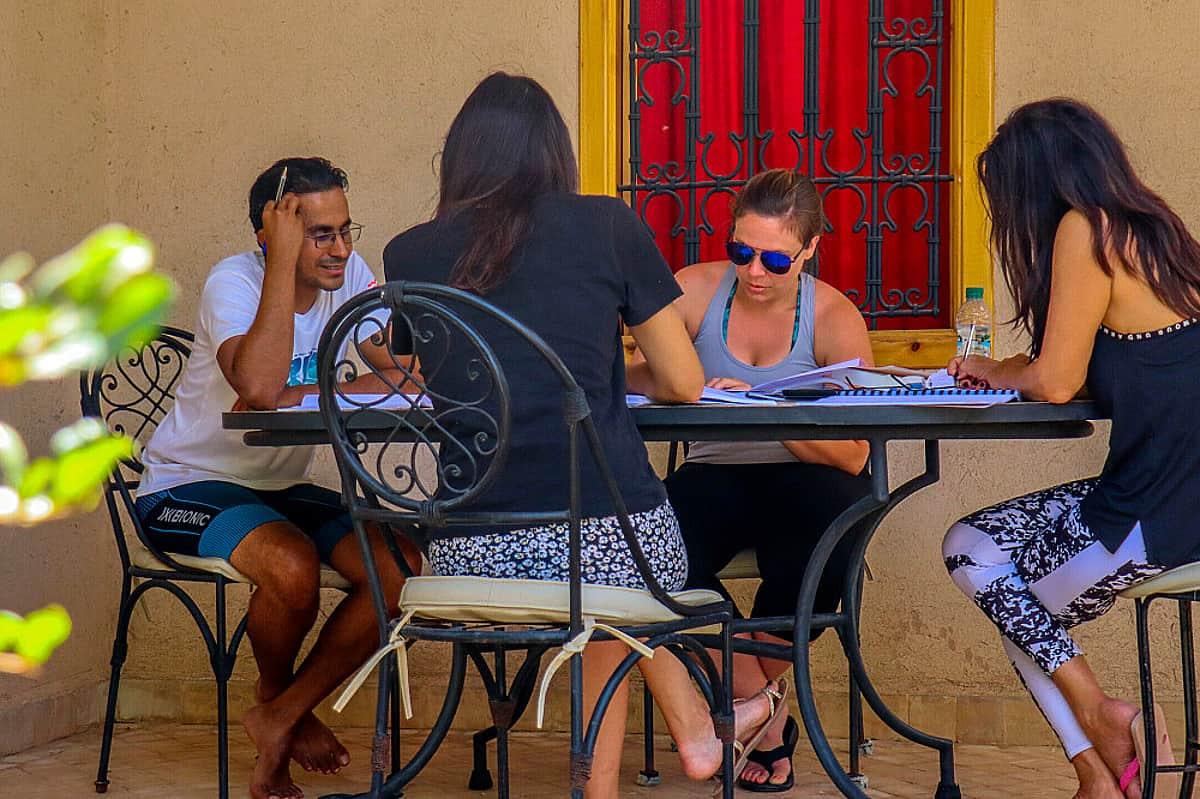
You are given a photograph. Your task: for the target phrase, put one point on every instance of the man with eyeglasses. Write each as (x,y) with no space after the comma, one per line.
(204,492)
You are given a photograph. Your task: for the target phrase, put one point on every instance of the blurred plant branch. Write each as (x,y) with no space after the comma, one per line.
(73,312)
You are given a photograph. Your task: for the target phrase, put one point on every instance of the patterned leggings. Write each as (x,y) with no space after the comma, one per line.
(1033,567)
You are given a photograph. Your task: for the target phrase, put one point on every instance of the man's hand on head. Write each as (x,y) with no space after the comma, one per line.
(283,231)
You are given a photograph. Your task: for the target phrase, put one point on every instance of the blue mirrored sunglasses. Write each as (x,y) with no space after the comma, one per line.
(777,263)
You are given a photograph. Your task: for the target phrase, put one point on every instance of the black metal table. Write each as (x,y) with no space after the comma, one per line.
(877,424)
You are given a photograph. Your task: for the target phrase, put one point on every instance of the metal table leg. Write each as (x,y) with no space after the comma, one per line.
(880,501)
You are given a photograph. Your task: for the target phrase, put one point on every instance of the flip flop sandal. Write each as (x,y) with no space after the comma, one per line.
(742,749)
(766,758)
(1164,784)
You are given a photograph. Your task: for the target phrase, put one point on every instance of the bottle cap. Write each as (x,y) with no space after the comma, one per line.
(974,293)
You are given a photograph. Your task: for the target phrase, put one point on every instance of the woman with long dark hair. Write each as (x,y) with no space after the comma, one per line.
(511,228)
(1106,280)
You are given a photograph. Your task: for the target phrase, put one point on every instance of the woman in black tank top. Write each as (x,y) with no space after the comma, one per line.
(1105,279)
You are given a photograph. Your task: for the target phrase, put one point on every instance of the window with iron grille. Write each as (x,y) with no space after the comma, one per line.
(850,92)
(883,102)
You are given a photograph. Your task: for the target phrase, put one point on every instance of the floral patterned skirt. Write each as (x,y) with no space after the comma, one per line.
(541,553)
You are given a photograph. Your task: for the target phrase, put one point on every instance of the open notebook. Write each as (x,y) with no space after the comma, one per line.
(963,397)
(852,374)
(968,397)
(857,384)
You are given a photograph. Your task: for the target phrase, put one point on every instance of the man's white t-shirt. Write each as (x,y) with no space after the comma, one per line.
(190,445)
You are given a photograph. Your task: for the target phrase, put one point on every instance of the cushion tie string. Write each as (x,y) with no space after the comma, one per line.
(576,646)
(396,643)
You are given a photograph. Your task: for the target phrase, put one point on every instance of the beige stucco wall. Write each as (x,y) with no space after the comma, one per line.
(122,111)
(52,162)
(160,115)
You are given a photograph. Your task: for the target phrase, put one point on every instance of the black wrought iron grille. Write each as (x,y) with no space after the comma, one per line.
(896,268)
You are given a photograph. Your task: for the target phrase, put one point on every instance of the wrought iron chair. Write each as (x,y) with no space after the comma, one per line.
(132,394)
(744,566)
(1182,586)
(423,459)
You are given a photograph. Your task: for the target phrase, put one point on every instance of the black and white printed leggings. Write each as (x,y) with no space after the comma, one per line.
(1033,567)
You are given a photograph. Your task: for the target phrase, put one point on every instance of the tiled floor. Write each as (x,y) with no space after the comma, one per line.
(172,761)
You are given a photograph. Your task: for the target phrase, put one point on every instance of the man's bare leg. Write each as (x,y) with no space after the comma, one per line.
(345,641)
(284,564)
(314,745)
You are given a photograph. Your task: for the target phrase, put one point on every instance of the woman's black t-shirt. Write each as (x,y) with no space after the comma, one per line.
(587,263)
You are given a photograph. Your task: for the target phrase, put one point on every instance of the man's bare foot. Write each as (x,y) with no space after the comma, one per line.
(316,748)
(271,778)
(781,768)
(1095,780)
(1108,730)
(701,756)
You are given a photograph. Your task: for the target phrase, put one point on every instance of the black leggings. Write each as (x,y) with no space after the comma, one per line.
(778,509)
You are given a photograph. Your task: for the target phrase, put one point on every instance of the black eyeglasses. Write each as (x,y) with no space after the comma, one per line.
(325,240)
(777,263)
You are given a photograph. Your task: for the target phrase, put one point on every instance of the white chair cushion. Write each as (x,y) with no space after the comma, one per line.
(1179,580)
(488,600)
(144,559)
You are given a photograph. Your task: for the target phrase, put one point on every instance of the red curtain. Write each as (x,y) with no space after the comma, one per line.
(844,71)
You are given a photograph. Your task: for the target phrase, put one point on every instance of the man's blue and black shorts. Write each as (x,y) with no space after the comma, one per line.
(210,518)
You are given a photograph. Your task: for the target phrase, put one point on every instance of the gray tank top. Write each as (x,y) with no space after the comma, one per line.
(718,361)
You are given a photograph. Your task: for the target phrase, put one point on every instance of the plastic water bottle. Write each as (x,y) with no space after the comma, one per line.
(974,325)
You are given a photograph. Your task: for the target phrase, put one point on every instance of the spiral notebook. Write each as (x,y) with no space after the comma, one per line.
(969,397)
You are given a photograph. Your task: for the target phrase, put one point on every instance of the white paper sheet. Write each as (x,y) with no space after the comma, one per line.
(311,402)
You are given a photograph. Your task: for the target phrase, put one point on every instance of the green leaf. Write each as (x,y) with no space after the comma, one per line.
(18,324)
(10,630)
(81,472)
(96,266)
(13,455)
(14,268)
(132,312)
(36,479)
(12,370)
(43,631)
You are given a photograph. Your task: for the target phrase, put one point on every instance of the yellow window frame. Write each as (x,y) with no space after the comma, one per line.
(602,50)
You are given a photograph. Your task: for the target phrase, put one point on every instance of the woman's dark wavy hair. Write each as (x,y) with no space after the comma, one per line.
(507,147)
(1055,155)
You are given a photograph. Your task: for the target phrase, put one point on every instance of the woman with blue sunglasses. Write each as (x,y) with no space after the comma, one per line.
(757,317)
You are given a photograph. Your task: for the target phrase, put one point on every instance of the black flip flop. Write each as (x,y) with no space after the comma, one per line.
(764,758)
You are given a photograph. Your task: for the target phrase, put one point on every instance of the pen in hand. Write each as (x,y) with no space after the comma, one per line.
(970,341)
(960,381)
(278,196)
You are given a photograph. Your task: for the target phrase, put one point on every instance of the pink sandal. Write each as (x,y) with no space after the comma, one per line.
(1131,772)
(1164,784)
